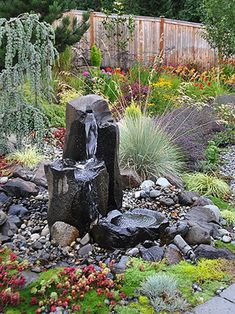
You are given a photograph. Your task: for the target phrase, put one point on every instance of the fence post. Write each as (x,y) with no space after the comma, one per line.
(162,40)
(92,29)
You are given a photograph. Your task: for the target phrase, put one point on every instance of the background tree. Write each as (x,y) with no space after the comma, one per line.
(219,17)
(25,79)
(66,34)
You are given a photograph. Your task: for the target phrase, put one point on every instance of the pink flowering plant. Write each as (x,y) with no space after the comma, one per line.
(11,278)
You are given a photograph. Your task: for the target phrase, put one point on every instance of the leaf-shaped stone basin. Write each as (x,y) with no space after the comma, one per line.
(131,220)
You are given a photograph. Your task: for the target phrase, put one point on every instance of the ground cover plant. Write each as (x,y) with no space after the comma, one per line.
(141,278)
(206,184)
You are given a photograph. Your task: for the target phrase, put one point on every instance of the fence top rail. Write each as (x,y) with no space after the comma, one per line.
(145,18)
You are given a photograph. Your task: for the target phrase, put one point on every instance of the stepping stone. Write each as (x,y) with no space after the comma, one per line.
(229,293)
(216,305)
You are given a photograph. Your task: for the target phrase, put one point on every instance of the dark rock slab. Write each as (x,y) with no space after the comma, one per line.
(85,250)
(15,220)
(39,177)
(4,239)
(8,229)
(120,267)
(152,254)
(23,173)
(77,195)
(169,233)
(210,252)
(201,220)
(5,200)
(20,188)
(202,201)
(197,234)
(187,198)
(107,142)
(17,210)
(129,229)
(167,201)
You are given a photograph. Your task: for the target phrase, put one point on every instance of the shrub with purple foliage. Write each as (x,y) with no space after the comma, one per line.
(191,128)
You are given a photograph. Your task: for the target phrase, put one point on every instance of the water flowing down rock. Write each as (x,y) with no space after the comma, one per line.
(78,193)
(75,147)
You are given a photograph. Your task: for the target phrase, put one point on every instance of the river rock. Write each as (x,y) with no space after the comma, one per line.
(154,193)
(63,234)
(167,201)
(20,188)
(147,185)
(17,210)
(163,182)
(173,255)
(3,217)
(45,231)
(77,196)
(85,250)
(226,239)
(129,229)
(152,254)
(107,142)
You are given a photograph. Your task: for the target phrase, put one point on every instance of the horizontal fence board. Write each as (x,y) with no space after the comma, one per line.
(181,41)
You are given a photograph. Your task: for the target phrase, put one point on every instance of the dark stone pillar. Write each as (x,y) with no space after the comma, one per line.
(107,143)
(77,196)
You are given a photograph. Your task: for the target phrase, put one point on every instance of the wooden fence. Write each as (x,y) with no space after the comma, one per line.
(177,42)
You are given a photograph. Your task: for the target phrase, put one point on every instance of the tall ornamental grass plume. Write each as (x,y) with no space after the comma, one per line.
(206,184)
(146,149)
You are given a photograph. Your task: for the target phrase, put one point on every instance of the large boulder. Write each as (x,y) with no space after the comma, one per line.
(210,252)
(63,234)
(107,142)
(203,223)
(128,229)
(77,196)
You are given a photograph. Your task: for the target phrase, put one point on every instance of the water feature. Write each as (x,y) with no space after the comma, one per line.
(85,185)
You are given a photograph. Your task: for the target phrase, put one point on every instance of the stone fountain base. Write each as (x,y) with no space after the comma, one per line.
(129,229)
(78,193)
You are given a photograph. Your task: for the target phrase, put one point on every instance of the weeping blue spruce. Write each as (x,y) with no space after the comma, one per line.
(85,184)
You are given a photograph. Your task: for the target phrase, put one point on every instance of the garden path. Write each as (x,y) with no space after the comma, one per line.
(228,165)
(222,304)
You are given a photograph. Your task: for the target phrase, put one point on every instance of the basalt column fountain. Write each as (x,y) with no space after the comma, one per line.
(86,182)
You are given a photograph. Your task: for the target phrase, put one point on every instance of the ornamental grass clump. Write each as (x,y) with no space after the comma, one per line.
(146,149)
(162,291)
(29,157)
(206,184)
